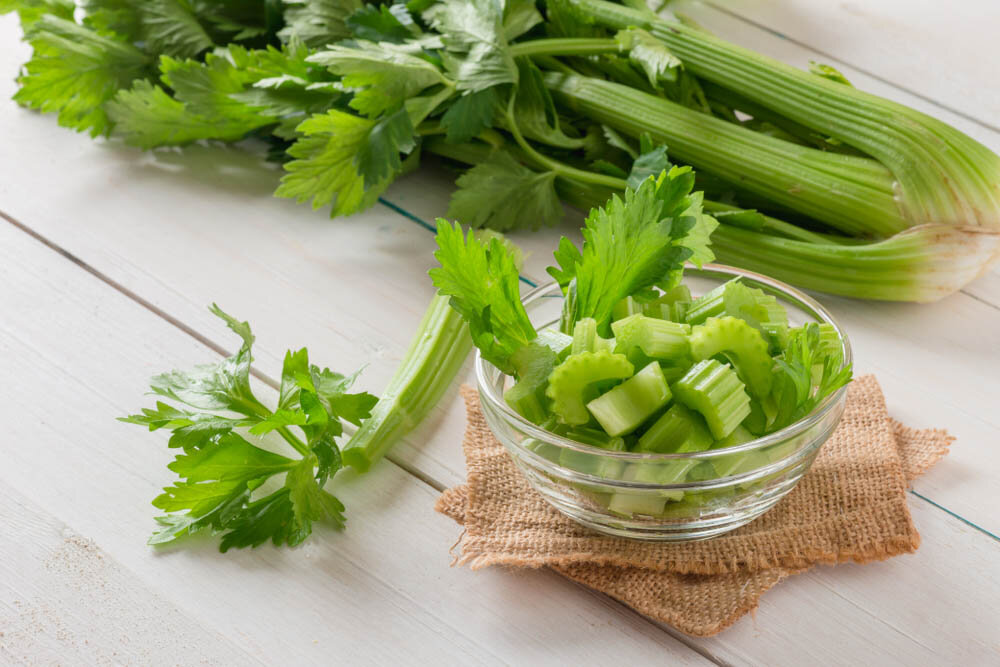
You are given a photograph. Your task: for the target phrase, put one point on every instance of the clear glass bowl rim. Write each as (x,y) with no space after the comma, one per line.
(488,390)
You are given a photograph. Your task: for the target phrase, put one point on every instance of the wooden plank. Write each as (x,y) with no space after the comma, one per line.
(64,600)
(383,590)
(940,55)
(187,228)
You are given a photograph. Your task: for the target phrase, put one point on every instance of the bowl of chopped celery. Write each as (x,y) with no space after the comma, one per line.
(694,413)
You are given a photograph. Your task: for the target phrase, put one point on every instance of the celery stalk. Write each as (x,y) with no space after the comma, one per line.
(439,348)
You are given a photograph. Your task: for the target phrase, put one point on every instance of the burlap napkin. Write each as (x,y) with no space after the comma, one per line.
(850,506)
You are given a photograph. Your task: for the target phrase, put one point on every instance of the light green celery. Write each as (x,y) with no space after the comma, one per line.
(742,344)
(657,339)
(921,264)
(627,306)
(679,429)
(555,340)
(715,391)
(438,350)
(571,384)
(592,463)
(624,408)
(709,304)
(584,335)
(853,194)
(943,176)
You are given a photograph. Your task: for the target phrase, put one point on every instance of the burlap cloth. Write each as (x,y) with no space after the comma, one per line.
(851,505)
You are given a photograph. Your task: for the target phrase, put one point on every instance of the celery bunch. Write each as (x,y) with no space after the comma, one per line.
(812,180)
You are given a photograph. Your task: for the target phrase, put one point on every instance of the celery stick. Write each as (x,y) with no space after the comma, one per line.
(622,409)
(438,350)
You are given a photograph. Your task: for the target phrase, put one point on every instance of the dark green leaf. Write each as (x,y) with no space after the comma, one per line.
(503,194)
(469,115)
(378,157)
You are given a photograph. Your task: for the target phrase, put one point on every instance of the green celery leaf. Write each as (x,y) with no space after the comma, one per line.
(29,11)
(221,386)
(382,23)
(482,281)
(328,459)
(318,22)
(280,419)
(268,518)
(378,158)
(650,54)
(309,501)
(534,111)
(828,72)
(230,459)
(469,115)
(294,372)
(171,27)
(794,394)
(519,16)
(473,32)
(384,75)
(189,430)
(146,116)
(200,498)
(325,167)
(651,161)
(629,245)
(503,194)
(331,389)
(75,71)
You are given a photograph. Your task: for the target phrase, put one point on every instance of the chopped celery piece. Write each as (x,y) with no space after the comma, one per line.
(679,429)
(709,304)
(585,338)
(534,364)
(671,472)
(544,449)
(623,408)
(593,463)
(555,340)
(627,504)
(714,390)
(742,344)
(625,307)
(572,381)
(739,435)
(640,338)
(739,463)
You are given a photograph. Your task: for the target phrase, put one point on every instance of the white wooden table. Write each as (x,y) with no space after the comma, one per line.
(109,256)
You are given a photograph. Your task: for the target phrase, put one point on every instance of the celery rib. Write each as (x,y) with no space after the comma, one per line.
(437,352)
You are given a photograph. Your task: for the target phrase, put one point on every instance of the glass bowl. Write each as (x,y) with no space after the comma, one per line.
(716,490)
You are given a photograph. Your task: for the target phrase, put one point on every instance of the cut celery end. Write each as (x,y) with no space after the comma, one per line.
(656,339)
(622,409)
(571,382)
(585,338)
(742,344)
(715,391)
(625,307)
(555,340)
(709,304)
(584,333)
(677,430)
